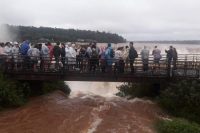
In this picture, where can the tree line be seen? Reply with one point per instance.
(64, 35)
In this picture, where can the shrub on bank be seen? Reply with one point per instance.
(177, 126)
(15, 93)
(56, 85)
(12, 93)
(182, 99)
(138, 90)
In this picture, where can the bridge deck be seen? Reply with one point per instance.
(187, 66)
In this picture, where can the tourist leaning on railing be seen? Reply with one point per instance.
(23, 51)
(109, 58)
(82, 59)
(34, 55)
(119, 62)
(175, 57)
(63, 55)
(45, 59)
(57, 52)
(169, 58)
(102, 59)
(132, 55)
(156, 56)
(145, 58)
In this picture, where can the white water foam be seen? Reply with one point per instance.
(89, 89)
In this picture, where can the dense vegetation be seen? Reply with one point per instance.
(132, 90)
(179, 98)
(15, 93)
(182, 99)
(177, 126)
(64, 35)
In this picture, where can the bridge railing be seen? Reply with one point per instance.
(187, 65)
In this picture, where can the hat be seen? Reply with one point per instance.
(73, 45)
(15, 43)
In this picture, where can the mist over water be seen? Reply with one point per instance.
(181, 48)
(6, 35)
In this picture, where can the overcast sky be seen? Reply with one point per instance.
(133, 19)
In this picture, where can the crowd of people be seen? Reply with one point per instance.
(81, 57)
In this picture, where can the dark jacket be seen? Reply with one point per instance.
(169, 54)
(57, 51)
(132, 53)
(63, 52)
(174, 54)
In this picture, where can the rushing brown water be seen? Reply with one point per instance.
(81, 113)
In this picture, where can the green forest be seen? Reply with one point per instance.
(35, 34)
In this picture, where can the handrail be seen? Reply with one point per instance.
(187, 65)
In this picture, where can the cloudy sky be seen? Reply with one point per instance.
(133, 19)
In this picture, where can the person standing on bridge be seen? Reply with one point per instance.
(45, 59)
(109, 55)
(102, 59)
(34, 55)
(72, 59)
(156, 56)
(169, 59)
(132, 55)
(57, 53)
(175, 56)
(145, 58)
(8, 49)
(63, 54)
(23, 50)
(93, 60)
(89, 51)
(50, 46)
(125, 56)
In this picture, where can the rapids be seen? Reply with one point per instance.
(91, 108)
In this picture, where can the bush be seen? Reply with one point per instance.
(138, 90)
(182, 99)
(12, 93)
(15, 93)
(57, 85)
(177, 126)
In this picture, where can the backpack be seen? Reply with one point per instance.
(133, 53)
(112, 53)
(94, 55)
